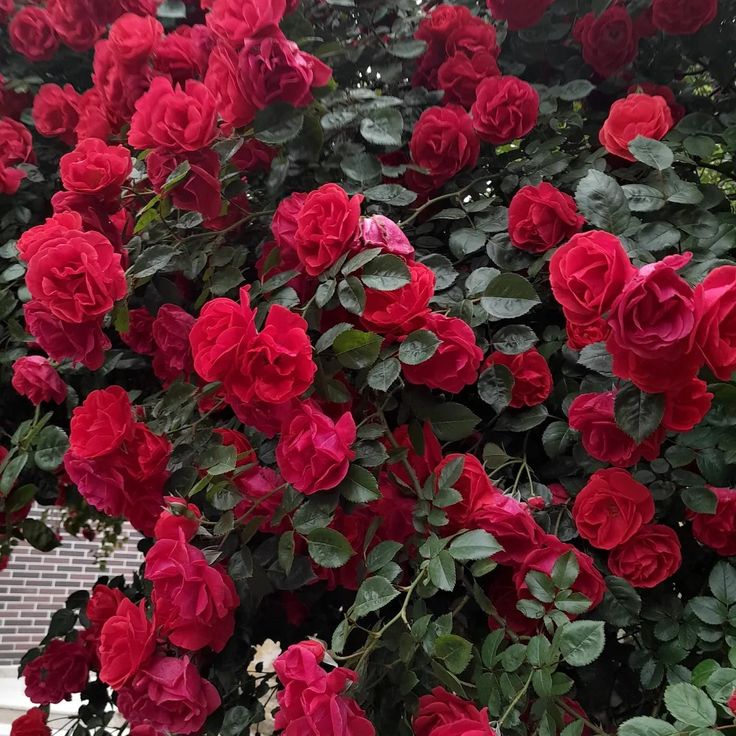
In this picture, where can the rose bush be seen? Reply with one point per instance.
(405, 335)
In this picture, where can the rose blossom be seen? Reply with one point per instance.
(661, 90)
(611, 508)
(31, 34)
(715, 303)
(718, 530)
(223, 81)
(178, 516)
(542, 217)
(102, 604)
(531, 374)
(379, 231)
(635, 115)
(169, 694)
(95, 168)
(686, 406)
(608, 39)
(173, 355)
(513, 526)
(314, 452)
(593, 416)
(455, 363)
(78, 23)
(127, 642)
(194, 602)
(683, 17)
(237, 20)
(32, 723)
(652, 555)
(139, 336)
(587, 275)
(101, 423)
(505, 108)
(56, 111)
(132, 37)
(16, 143)
(518, 13)
(36, 379)
(57, 673)
(460, 75)
(440, 708)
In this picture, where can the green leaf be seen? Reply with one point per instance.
(236, 720)
(700, 499)
(418, 347)
(451, 472)
(277, 124)
(286, 551)
(465, 241)
(410, 49)
(12, 471)
(509, 296)
(442, 571)
(356, 349)
(475, 545)
(383, 127)
(597, 358)
(329, 548)
(621, 605)
(359, 485)
(709, 610)
(690, 705)
(653, 153)
(373, 594)
(522, 420)
(565, 570)
(643, 198)
(382, 375)
(722, 582)
(329, 337)
(340, 636)
(557, 438)
(581, 642)
(646, 726)
(359, 166)
(637, 413)
(452, 421)
(360, 259)
(382, 554)
(602, 202)
(38, 535)
(577, 89)
(153, 259)
(721, 684)
(176, 176)
(351, 294)
(454, 652)
(495, 385)
(540, 585)
(393, 194)
(386, 273)
(514, 339)
(20, 497)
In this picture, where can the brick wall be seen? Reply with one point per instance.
(35, 584)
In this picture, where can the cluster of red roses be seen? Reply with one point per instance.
(16, 147)
(313, 701)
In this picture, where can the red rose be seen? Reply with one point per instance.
(32, 723)
(532, 376)
(593, 416)
(513, 526)
(300, 662)
(686, 406)
(10, 179)
(715, 303)
(104, 216)
(587, 274)
(35, 378)
(274, 69)
(32, 35)
(519, 13)
(93, 120)
(542, 217)
(611, 508)
(578, 336)
(327, 227)
(199, 191)
(379, 231)
(254, 156)
(179, 516)
(399, 312)
(79, 279)
(436, 26)
(181, 119)
(314, 452)
(132, 37)
(16, 143)
(455, 363)
(95, 168)
(83, 343)
(589, 581)
(461, 74)
(139, 337)
(56, 111)
(652, 555)
(476, 489)
(173, 356)
(505, 108)
(59, 672)
(683, 17)
(223, 81)
(501, 591)
(78, 23)
(237, 20)
(102, 604)
(101, 423)
(718, 530)
(285, 220)
(127, 642)
(731, 703)
(271, 366)
(471, 37)
(440, 708)
(183, 54)
(662, 90)
(653, 325)
(144, 729)
(609, 40)
(194, 602)
(170, 695)
(635, 115)
(465, 727)
(49, 233)
(443, 142)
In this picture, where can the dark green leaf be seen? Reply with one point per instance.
(454, 652)
(351, 294)
(690, 705)
(383, 127)
(581, 642)
(277, 124)
(700, 499)
(637, 413)
(386, 273)
(356, 349)
(602, 201)
(329, 548)
(475, 545)
(509, 296)
(653, 153)
(373, 594)
(38, 535)
(382, 375)
(418, 347)
(495, 385)
(442, 571)
(359, 485)
(514, 339)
